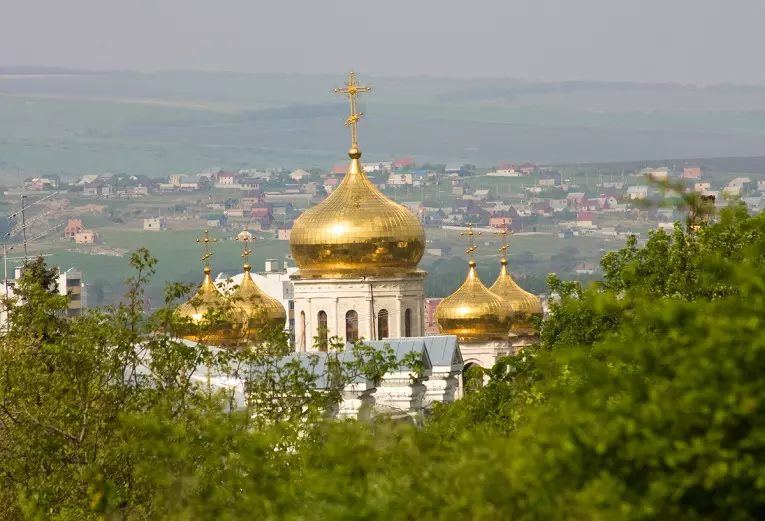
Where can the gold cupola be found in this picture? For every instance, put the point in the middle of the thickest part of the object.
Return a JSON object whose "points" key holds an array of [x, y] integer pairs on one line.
{"points": [[473, 312], [356, 231], [206, 314], [254, 308], [523, 303]]}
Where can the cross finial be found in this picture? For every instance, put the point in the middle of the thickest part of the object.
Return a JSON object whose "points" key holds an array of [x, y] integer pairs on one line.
{"points": [[245, 237], [352, 91], [504, 232], [205, 241], [471, 241]]}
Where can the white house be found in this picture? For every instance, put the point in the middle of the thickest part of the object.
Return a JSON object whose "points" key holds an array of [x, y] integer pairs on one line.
{"points": [[637, 192]]}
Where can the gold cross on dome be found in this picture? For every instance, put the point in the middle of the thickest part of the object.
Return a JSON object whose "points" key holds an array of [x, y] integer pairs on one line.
{"points": [[245, 237], [205, 241], [471, 239], [352, 91], [504, 232]]}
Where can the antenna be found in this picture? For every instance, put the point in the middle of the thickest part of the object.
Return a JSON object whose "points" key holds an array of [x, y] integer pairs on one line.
{"points": [[23, 228]]}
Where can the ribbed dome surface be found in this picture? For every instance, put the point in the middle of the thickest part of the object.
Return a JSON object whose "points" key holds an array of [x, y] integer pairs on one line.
{"points": [[524, 304], [256, 308], [356, 231], [207, 313], [473, 312]]}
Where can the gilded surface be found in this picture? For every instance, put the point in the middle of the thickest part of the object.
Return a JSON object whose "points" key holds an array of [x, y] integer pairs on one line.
{"points": [[473, 312], [255, 307], [523, 303], [206, 311], [357, 230]]}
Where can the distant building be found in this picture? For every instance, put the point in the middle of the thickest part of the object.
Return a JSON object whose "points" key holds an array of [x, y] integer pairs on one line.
{"points": [[396, 179], [431, 328], [155, 224], [73, 228], [585, 219], [299, 174], [637, 192], [70, 283], [216, 221], [225, 180], [86, 237], [692, 172], [402, 163], [702, 187], [282, 234]]}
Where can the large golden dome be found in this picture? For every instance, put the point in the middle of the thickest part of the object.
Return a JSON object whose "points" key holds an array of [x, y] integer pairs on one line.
{"points": [[523, 303], [473, 312], [255, 308], [357, 231], [207, 315]]}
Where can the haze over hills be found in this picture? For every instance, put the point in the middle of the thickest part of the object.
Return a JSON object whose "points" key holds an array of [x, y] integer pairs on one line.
{"points": [[74, 122]]}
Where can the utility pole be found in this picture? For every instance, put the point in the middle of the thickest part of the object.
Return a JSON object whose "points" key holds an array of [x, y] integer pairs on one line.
{"points": [[24, 224]]}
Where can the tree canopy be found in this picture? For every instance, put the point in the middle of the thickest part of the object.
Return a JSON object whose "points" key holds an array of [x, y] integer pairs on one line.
{"points": [[643, 400]]}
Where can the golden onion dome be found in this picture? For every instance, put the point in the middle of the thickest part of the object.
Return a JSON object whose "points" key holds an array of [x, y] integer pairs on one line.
{"points": [[207, 315], [523, 303], [255, 308], [357, 231], [473, 312]]}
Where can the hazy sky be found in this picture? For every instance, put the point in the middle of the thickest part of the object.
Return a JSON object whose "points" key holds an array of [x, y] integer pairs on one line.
{"points": [[695, 41]]}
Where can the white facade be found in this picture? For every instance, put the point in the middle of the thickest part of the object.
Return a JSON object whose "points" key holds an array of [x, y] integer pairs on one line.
{"points": [[336, 299]]}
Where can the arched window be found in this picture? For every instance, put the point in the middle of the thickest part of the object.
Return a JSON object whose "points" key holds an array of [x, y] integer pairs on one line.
{"points": [[382, 324], [408, 323], [321, 331], [302, 330], [351, 326]]}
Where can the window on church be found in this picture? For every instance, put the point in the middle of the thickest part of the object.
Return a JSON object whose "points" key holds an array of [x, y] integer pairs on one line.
{"points": [[382, 324], [302, 330], [351, 326], [408, 323], [321, 332]]}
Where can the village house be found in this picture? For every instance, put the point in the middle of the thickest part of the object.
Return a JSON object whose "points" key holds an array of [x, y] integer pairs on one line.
{"points": [[226, 180], [438, 249], [399, 164], [500, 219], [585, 219], [86, 237], [550, 179], [574, 199], [282, 234], [542, 208], [155, 224], [216, 220], [299, 175], [73, 227], [558, 205], [692, 172], [637, 192], [702, 187], [399, 179]]}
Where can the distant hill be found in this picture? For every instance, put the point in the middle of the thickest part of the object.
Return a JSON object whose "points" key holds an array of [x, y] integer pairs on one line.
{"points": [[69, 121]]}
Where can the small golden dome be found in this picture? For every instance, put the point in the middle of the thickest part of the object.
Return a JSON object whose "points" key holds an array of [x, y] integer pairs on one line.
{"points": [[473, 312], [523, 303], [207, 314], [256, 308], [357, 231]]}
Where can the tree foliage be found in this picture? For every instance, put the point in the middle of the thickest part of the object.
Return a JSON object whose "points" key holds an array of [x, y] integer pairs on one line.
{"points": [[643, 400]]}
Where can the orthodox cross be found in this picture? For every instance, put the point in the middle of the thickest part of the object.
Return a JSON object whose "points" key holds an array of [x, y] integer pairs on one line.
{"points": [[471, 240], [205, 241], [245, 237], [352, 91], [504, 232]]}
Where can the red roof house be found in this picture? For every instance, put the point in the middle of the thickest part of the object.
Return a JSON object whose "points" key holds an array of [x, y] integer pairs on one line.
{"points": [[403, 163]]}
